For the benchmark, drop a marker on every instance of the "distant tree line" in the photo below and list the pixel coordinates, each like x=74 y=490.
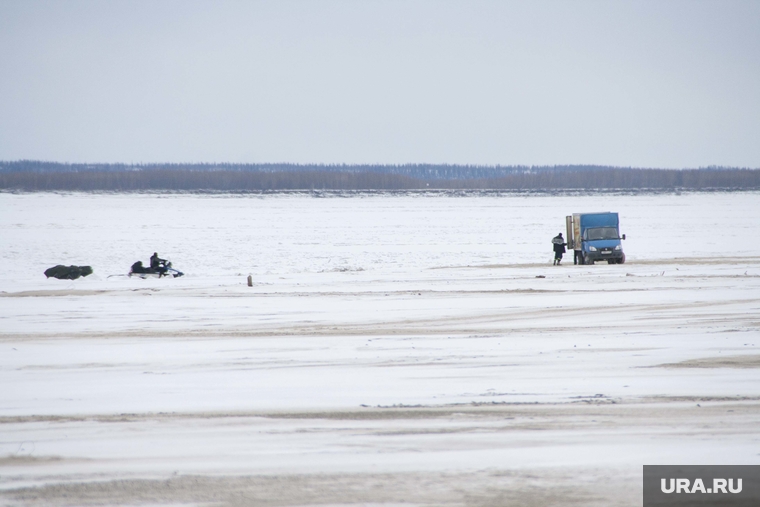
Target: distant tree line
x=188 y=181
x=421 y=171
x=51 y=176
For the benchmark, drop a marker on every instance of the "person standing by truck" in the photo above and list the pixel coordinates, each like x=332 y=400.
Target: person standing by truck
x=559 y=248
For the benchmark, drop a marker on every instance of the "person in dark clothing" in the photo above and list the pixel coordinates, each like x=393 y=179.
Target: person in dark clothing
x=157 y=264
x=559 y=248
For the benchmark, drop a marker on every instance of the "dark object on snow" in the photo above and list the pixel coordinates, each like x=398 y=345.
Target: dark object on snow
x=62 y=272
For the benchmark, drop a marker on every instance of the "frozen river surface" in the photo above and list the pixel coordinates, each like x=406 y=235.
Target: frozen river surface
x=393 y=350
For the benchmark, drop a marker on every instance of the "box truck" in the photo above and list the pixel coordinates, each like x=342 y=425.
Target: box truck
x=595 y=237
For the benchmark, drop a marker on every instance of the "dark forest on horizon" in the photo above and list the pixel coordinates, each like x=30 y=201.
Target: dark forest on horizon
x=34 y=176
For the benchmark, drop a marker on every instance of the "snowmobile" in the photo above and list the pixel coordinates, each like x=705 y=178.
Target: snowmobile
x=164 y=269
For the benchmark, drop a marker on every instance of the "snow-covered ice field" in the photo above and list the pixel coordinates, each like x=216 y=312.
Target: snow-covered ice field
x=393 y=350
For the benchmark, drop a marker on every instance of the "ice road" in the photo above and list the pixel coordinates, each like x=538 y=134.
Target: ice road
x=415 y=349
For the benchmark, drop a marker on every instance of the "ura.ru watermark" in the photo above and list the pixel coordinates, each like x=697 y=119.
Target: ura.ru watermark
x=701 y=485
x=729 y=485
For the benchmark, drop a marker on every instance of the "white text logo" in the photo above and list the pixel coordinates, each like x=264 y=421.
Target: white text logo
x=685 y=486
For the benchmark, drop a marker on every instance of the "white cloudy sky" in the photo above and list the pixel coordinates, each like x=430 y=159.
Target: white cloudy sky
x=639 y=83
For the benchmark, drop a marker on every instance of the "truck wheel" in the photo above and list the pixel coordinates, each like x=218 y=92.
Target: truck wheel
x=621 y=260
x=588 y=261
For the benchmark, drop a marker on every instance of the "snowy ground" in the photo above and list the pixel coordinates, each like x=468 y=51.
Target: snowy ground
x=394 y=350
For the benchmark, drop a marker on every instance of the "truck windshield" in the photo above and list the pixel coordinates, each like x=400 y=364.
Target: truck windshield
x=602 y=233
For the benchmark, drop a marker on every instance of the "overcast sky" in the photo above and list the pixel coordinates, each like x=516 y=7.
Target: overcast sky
x=627 y=83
